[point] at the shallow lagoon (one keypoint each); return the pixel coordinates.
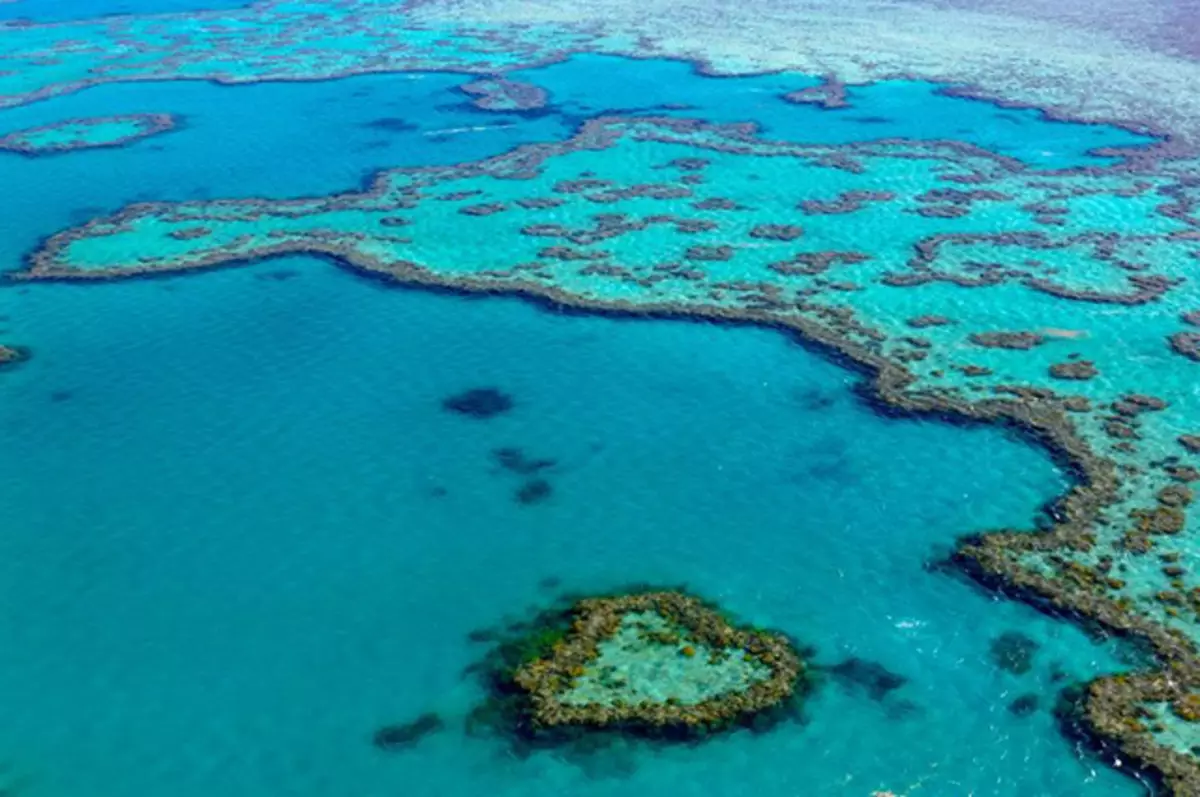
(245, 141)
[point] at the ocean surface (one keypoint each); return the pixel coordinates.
(65, 10)
(241, 532)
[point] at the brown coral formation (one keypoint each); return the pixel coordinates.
(1078, 370)
(925, 321)
(501, 94)
(1186, 344)
(710, 253)
(1020, 341)
(942, 211)
(846, 202)
(810, 264)
(546, 680)
(190, 233)
(487, 209)
(716, 203)
(830, 94)
(777, 232)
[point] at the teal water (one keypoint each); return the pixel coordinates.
(226, 563)
(64, 10)
(242, 534)
(897, 109)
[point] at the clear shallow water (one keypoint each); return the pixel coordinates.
(227, 567)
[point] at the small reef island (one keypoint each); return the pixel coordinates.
(657, 664)
(87, 133)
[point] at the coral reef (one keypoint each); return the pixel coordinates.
(656, 663)
(1024, 705)
(500, 94)
(1013, 651)
(11, 355)
(829, 94)
(637, 261)
(87, 133)
(480, 402)
(408, 734)
(1186, 344)
(875, 680)
(515, 460)
(534, 491)
(1021, 341)
(1078, 370)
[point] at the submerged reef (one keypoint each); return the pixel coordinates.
(829, 94)
(1014, 652)
(480, 402)
(630, 235)
(500, 94)
(870, 677)
(406, 735)
(660, 664)
(11, 355)
(87, 133)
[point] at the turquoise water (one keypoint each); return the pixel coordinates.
(62, 10)
(227, 564)
(242, 533)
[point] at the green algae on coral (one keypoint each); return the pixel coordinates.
(661, 663)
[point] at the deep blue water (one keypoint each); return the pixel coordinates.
(241, 532)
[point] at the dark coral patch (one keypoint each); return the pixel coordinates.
(777, 232)
(392, 124)
(1024, 705)
(500, 94)
(716, 203)
(408, 734)
(534, 491)
(480, 402)
(1186, 344)
(277, 275)
(514, 460)
(709, 253)
(1080, 370)
(870, 677)
(1014, 652)
(925, 321)
(1020, 341)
